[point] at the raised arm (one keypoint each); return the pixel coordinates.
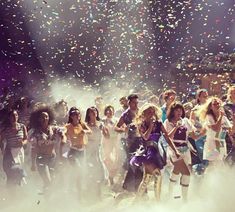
(145, 134)
(86, 129)
(192, 117)
(217, 126)
(172, 132)
(168, 140)
(119, 126)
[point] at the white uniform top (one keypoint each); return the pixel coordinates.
(185, 151)
(185, 122)
(215, 146)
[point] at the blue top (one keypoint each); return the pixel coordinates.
(164, 117)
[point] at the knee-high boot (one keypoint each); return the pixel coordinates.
(157, 184)
(184, 182)
(173, 181)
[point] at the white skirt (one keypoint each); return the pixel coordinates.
(184, 154)
(18, 155)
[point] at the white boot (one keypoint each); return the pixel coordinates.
(184, 182)
(172, 184)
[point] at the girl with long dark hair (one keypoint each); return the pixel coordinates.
(179, 128)
(14, 136)
(95, 169)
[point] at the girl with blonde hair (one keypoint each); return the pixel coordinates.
(217, 126)
(151, 129)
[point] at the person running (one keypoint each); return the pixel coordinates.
(110, 144)
(153, 158)
(131, 144)
(14, 136)
(217, 126)
(43, 139)
(76, 131)
(95, 169)
(201, 98)
(169, 97)
(178, 128)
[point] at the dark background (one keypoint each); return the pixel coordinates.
(45, 40)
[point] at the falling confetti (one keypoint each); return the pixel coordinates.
(139, 40)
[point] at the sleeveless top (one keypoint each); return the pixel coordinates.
(156, 131)
(128, 118)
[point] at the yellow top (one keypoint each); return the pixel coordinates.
(76, 135)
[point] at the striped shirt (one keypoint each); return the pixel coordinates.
(14, 138)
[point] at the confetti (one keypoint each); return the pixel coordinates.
(89, 40)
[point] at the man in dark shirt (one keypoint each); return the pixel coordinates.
(132, 142)
(124, 104)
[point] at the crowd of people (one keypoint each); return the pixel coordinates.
(123, 149)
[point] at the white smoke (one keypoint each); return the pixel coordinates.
(212, 192)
